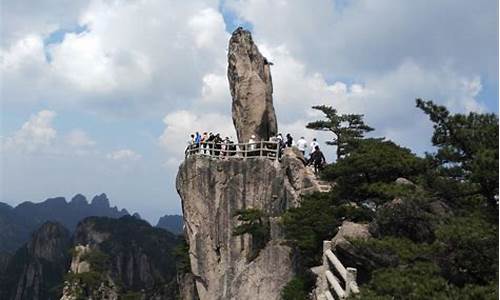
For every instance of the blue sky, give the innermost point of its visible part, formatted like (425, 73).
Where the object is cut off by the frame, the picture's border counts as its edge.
(99, 96)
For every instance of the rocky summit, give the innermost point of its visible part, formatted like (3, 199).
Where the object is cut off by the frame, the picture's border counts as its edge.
(251, 87)
(213, 191)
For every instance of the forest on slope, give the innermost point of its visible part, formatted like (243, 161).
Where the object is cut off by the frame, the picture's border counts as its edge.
(433, 219)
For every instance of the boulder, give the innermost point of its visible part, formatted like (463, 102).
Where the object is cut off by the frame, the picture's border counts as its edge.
(404, 181)
(251, 89)
(363, 259)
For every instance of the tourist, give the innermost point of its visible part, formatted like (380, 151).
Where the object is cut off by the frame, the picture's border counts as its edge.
(314, 143)
(210, 141)
(289, 140)
(317, 159)
(203, 142)
(302, 145)
(225, 146)
(251, 146)
(217, 140)
(190, 145)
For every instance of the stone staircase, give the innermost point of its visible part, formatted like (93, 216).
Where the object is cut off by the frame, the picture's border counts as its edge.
(317, 184)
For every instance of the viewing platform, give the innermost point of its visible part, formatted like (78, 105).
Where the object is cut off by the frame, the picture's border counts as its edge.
(265, 149)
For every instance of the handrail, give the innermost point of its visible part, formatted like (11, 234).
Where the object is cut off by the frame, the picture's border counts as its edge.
(232, 150)
(348, 275)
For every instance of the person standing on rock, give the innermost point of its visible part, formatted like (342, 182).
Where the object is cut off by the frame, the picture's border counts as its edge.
(251, 146)
(190, 145)
(203, 142)
(302, 145)
(289, 140)
(317, 159)
(314, 143)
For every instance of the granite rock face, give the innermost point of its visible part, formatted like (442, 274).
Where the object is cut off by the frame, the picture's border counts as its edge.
(36, 269)
(212, 191)
(128, 255)
(251, 89)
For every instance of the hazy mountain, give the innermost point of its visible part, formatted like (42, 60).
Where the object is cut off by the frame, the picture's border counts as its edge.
(17, 223)
(36, 270)
(124, 257)
(128, 255)
(172, 223)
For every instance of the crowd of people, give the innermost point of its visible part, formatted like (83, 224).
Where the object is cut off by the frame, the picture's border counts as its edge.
(214, 145)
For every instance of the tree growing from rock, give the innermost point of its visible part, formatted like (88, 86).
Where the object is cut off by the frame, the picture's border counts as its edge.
(347, 128)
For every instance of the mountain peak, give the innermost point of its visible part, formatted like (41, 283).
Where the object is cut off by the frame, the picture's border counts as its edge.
(79, 199)
(100, 201)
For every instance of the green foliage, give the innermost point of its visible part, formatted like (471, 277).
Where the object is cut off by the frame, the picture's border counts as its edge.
(406, 250)
(468, 144)
(373, 161)
(298, 288)
(256, 223)
(347, 128)
(434, 239)
(406, 217)
(182, 261)
(468, 250)
(419, 281)
(98, 260)
(317, 219)
(131, 296)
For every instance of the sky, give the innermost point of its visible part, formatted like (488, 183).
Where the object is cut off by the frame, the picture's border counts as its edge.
(101, 96)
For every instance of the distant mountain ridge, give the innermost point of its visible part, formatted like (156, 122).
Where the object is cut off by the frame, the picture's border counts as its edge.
(172, 223)
(17, 223)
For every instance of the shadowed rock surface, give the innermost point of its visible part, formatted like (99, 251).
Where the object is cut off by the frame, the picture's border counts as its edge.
(36, 270)
(251, 89)
(127, 255)
(212, 191)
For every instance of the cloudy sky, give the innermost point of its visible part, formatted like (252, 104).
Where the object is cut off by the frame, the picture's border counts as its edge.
(100, 96)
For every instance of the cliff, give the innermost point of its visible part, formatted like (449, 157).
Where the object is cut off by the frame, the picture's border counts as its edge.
(119, 258)
(36, 270)
(225, 266)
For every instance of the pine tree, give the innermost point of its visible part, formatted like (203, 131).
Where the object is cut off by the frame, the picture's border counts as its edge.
(347, 128)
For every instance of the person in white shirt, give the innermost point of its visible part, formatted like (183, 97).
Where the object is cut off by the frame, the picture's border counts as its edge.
(302, 145)
(314, 143)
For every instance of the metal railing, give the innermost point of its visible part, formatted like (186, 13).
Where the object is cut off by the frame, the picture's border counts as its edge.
(230, 150)
(343, 287)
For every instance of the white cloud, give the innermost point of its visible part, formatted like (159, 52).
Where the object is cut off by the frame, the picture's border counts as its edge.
(133, 57)
(79, 139)
(21, 18)
(124, 155)
(365, 37)
(35, 135)
(180, 124)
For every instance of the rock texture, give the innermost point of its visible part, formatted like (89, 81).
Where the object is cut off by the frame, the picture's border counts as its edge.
(364, 260)
(129, 256)
(251, 89)
(212, 191)
(37, 268)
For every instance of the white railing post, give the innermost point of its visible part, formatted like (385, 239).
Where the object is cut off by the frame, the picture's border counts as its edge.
(351, 286)
(326, 266)
(328, 279)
